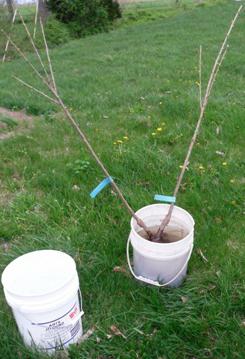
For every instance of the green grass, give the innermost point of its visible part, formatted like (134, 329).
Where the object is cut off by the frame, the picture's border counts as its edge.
(8, 122)
(56, 32)
(129, 82)
(141, 11)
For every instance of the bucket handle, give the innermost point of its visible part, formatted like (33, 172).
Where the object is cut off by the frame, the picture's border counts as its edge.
(81, 313)
(150, 281)
(74, 320)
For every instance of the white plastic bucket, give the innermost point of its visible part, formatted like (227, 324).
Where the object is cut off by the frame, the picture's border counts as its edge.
(161, 264)
(42, 288)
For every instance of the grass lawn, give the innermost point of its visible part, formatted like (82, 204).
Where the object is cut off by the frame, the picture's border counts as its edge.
(128, 83)
(150, 10)
(57, 33)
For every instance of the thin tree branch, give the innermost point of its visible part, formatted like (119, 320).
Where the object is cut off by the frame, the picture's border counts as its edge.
(200, 76)
(35, 21)
(101, 165)
(36, 90)
(219, 57)
(7, 43)
(28, 62)
(21, 53)
(218, 67)
(33, 45)
(74, 124)
(48, 57)
(210, 84)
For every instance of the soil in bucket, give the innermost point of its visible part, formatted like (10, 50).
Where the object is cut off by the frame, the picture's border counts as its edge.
(170, 235)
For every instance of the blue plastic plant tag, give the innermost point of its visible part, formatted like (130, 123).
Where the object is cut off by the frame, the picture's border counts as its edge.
(100, 187)
(168, 199)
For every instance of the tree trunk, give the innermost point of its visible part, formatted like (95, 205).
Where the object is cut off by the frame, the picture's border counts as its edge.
(10, 5)
(42, 10)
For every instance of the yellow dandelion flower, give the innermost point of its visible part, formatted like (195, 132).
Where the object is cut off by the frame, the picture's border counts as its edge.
(153, 133)
(125, 138)
(159, 129)
(232, 180)
(120, 142)
(224, 163)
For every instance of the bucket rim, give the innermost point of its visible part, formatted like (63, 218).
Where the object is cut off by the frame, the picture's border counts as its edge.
(7, 271)
(40, 307)
(166, 245)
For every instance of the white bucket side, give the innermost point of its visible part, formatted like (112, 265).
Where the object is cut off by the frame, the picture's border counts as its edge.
(53, 319)
(54, 329)
(162, 262)
(41, 304)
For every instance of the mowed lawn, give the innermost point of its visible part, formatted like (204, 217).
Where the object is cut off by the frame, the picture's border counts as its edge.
(129, 82)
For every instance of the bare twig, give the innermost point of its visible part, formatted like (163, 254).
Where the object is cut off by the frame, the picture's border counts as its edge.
(35, 21)
(218, 66)
(52, 88)
(210, 84)
(200, 76)
(86, 141)
(93, 153)
(33, 45)
(34, 69)
(36, 90)
(48, 57)
(21, 53)
(7, 43)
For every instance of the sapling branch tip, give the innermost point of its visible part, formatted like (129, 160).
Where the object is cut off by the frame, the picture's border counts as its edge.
(204, 102)
(35, 90)
(48, 57)
(35, 19)
(33, 44)
(51, 85)
(200, 76)
(7, 43)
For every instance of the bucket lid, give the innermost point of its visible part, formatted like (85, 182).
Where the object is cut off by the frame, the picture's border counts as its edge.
(38, 273)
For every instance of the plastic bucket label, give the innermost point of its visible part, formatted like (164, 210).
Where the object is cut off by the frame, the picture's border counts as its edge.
(56, 333)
